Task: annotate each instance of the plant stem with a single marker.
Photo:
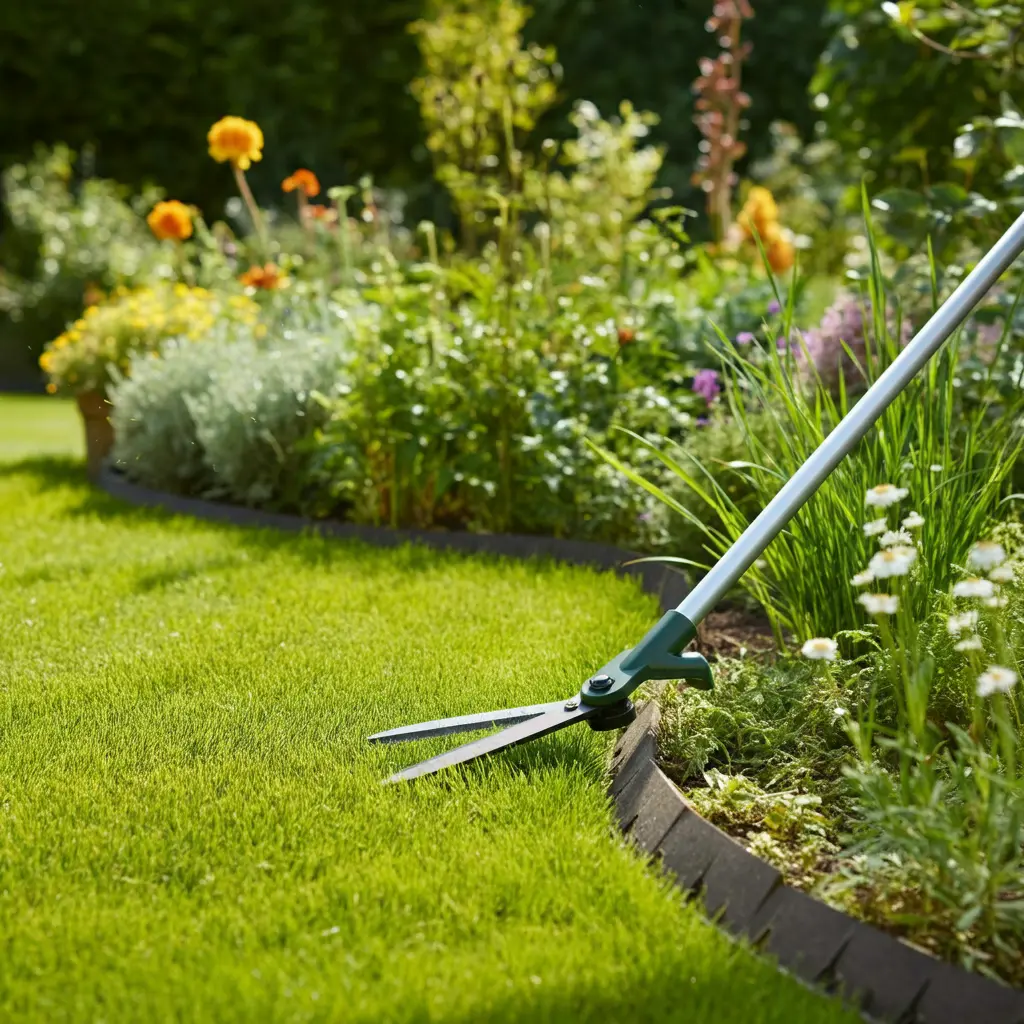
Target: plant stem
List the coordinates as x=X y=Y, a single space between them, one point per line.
x=254 y=210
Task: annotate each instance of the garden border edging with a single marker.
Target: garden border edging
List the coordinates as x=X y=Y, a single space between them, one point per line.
x=655 y=578
x=886 y=979
x=883 y=977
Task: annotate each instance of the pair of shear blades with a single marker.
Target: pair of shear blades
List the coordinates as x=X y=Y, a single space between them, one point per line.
x=603 y=701
x=519 y=726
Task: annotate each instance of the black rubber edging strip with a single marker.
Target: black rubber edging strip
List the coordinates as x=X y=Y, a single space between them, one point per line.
x=879 y=975
x=655 y=578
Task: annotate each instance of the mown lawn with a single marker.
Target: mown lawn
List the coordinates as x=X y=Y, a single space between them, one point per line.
x=192 y=825
x=30 y=425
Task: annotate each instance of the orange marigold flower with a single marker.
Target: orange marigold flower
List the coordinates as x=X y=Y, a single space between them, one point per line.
x=170 y=219
x=267 y=277
x=626 y=335
x=317 y=211
x=781 y=253
x=237 y=140
x=759 y=213
x=302 y=179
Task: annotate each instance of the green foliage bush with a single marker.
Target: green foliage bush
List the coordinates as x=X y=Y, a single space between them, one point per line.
x=226 y=418
x=897 y=104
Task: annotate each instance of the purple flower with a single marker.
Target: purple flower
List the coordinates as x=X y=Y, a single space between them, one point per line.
x=774 y=307
x=744 y=338
x=705 y=383
x=843 y=328
x=702 y=421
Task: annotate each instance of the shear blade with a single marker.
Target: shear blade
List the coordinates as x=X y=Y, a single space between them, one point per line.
x=555 y=718
x=463 y=723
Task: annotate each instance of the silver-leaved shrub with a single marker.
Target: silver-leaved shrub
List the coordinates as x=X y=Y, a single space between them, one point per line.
x=228 y=418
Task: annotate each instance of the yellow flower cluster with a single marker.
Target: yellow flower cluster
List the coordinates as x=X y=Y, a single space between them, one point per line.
x=130 y=322
x=760 y=217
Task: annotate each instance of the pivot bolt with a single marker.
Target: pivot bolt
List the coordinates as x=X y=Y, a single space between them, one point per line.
x=572 y=704
x=600 y=683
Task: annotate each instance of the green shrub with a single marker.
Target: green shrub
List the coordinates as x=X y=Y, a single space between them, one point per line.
x=896 y=104
x=228 y=418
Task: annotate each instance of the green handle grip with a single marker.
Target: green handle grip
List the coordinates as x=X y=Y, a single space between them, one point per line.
x=655 y=657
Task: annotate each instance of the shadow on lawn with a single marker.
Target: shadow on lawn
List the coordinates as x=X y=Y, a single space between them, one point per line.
x=49 y=473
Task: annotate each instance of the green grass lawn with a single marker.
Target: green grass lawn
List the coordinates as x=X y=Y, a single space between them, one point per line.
x=30 y=425
x=192 y=825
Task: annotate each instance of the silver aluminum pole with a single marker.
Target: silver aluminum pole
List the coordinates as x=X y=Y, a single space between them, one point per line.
x=813 y=473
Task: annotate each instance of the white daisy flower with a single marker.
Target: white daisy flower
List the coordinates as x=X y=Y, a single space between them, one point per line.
x=1002 y=574
x=880 y=604
x=862 y=578
x=973 y=586
x=996 y=679
x=907 y=467
x=995 y=602
x=892 y=562
x=884 y=495
x=967 y=620
x=972 y=643
x=986 y=554
x=893 y=537
x=913 y=521
x=819 y=648
x=935 y=468
x=875 y=527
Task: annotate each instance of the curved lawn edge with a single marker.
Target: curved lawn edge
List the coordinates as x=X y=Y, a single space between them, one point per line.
x=657 y=579
x=883 y=977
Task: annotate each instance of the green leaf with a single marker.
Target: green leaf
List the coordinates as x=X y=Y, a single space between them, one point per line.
x=900 y=201
x=1013 y=143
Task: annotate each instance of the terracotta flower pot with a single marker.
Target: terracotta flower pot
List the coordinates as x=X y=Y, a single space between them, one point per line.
x=99 y=434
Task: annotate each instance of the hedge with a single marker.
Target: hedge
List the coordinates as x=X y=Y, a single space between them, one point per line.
x=327 y=80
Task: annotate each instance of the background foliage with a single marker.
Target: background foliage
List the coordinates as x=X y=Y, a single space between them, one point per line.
x=328 y=82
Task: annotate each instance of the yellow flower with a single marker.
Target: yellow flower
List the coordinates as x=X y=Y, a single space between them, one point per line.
x=170 y=219
x=237 y=140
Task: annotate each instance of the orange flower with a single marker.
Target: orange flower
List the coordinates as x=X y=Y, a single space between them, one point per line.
x=759 y=213
x=780 y=252
x=317 y=211
x=302 y=179
x=170 y=219
x=267 y=277
x=237 y=140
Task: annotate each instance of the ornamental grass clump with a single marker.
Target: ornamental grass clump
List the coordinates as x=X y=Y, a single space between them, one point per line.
x=956 y=457
x=104 y=340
